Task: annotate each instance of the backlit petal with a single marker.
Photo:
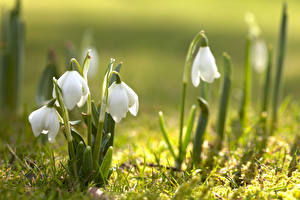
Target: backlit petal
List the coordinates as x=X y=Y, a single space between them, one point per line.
x=51 y=124
x=117 y=105
x=207 y=65
x=36 y=119
x=133 y=99
x=72 y=90
x=195 y=73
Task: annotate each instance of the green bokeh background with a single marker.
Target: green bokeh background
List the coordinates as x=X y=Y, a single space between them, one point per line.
x=151 y=38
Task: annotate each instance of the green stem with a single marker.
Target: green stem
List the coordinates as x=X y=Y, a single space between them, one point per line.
x=73 y=60
x=89 y=122
x=97 y=145
x=266 y=92
x=181 y=123
x=67 y=126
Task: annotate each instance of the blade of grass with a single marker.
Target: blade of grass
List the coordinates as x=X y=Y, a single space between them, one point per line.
x=188 y=132
x=247 y=86
x=164 y=132
x=279 y=66
x=266 y=92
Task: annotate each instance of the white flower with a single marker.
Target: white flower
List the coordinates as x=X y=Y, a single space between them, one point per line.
x=121 y=98
x=204 y=67
x=44 y=120
x=93 y=62
x=259 y=55
x=74 y=89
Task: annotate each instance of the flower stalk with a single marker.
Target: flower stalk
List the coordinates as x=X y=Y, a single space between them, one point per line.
x=65 y=116
x=188 y=62
x=89 y=120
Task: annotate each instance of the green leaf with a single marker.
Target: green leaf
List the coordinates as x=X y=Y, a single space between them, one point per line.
x=164 y=132
x=95 y=114
x=113 y=77
x=79 y=154
x=201 y=127
x=104 y=147
x=188 y=132
x=224 y=100
x=86 y=65
x=45 y=85
x=77 y=138
x=245 y=101
x=105 y=165
x=87 y=164
x=279 y=67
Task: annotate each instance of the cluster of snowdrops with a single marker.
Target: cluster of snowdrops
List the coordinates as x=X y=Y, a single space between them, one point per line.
x=90 y=159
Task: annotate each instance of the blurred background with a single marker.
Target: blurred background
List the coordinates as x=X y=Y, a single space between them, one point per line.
x=151 y=38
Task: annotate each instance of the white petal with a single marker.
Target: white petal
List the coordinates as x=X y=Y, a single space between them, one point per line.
x=259 y=55
x=72 y=90
x=85 y=90
x=117 y=105
x=133 y=99
x=51 y=124
x=36 y=119
x=195 y=70
x=82 y=100
x=207 y=65
x=60 y=82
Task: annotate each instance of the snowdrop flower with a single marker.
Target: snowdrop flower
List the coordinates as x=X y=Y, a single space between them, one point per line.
x=74 y=89
x=121 y=98
x=94 y=60
x=253 y=27
x=204 y=66
x=44 y=120
x=259 y=55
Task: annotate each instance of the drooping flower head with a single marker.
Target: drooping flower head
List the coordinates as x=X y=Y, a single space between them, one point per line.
x=204 y=66
x=74 y=89
x=45 y=120
x=121 y=99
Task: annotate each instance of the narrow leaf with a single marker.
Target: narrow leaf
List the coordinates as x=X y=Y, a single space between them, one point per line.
x=201 y=127
x=189 y=130
x=87 y=164
x=247 y=86
x=279 y=66
x=164 y=132
x=79 y=154
x=224 y=100
x=45 y=85
x=105 y=165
